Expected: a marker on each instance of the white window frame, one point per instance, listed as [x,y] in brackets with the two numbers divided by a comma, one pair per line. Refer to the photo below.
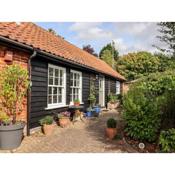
[118,86]
[63,103]
[80,86]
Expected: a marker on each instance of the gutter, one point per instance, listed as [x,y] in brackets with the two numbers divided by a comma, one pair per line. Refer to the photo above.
[29,91]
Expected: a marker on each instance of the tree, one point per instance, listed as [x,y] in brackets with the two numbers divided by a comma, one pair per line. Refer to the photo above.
[167,30]
[88,48]
[136,65]
[109,54]
[52,31]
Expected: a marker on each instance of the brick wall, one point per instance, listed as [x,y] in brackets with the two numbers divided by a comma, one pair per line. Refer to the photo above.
[10,56]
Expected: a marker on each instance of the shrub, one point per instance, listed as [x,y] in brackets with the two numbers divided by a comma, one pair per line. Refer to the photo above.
[13,87]
[167,140]
[111,123]
[4,118]
[142,115]
[48,120]
[112,98]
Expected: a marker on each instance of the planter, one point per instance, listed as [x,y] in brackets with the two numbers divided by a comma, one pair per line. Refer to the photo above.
[113,105]
[89,114]
[47,129]
[111,132]
[97,109]
[64,122]
[11,136]
[76,103]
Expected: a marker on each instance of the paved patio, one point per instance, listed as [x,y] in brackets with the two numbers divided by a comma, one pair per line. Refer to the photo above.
[87,137]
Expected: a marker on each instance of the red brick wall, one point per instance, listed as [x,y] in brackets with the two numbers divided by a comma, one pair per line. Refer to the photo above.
[18,57]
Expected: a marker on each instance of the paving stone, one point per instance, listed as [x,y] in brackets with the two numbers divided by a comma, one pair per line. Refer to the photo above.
[81,137]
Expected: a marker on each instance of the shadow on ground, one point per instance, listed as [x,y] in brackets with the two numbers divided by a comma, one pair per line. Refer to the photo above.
[96,128]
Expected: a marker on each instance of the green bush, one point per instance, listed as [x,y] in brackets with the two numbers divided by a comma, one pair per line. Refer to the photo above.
[167,140]
[48,120]
[13,89]
[142,115]
[111,123]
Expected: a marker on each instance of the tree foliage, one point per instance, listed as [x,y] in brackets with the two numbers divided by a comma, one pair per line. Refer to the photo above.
[136,65]
[167,30]
[108,53]
[52,31]
[88,48]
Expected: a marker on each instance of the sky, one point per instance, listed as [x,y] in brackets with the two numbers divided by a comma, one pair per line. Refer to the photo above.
[127,36]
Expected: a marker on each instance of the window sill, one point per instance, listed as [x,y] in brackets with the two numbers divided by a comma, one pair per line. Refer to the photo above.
[55,107]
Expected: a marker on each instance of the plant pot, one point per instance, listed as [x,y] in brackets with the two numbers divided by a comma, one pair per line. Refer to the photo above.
[76,103]
[64,122]
[111,132]
[47,129]
[11,136]
[112,106]
[97,109]
[88,114]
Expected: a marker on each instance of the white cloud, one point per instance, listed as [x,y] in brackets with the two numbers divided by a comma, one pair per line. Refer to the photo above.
[128,36]
[90,31]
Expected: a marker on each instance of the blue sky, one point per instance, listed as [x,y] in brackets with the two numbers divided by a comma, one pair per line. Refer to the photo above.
[128,36]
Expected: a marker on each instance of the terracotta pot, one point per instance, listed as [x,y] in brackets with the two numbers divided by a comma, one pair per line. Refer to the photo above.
[48,129]
[64,121]
[111,105]
[111,132]
[76,103]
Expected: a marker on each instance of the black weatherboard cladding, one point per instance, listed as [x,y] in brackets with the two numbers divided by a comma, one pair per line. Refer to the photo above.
[39,76]
[39,89]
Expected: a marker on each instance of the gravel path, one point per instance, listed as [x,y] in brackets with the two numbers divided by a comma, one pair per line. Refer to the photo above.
[87,137]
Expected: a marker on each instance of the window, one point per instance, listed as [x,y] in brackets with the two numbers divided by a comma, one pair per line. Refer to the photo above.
[75,85]
[56,86]
[117,87]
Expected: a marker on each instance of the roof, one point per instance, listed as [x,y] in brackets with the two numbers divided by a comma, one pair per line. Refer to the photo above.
[32,35]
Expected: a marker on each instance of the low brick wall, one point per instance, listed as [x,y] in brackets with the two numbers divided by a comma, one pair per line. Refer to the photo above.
[10,56]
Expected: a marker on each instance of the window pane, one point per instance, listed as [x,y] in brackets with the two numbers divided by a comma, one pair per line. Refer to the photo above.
[75,83]
[56,81]
[56,73]
[59,90]
[50,71]
[50,80]
[71,82]
[55,91]
[55,99]
[61,73]
[61,81]
[50,99]
[50,90]
[59,98]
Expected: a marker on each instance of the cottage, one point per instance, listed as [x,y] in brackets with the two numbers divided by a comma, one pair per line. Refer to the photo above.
[59,71]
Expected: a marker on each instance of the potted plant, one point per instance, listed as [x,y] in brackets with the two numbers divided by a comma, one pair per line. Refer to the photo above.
[113,101]
[13,89]
[111,129]
[64,119]
[76,102]
[47,125]
[89,112]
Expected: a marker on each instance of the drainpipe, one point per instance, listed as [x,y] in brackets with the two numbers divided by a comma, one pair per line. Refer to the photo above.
[29,92]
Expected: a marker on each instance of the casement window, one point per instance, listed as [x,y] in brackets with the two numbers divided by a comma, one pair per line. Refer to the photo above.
[56,86]
[117,87]
[75,85]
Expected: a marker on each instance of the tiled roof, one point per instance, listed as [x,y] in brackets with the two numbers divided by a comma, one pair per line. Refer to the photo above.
[39,38]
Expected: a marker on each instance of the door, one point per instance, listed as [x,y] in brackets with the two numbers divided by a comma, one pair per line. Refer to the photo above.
[102,91]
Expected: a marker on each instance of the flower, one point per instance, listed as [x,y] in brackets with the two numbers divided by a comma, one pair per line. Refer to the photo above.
[65,114]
